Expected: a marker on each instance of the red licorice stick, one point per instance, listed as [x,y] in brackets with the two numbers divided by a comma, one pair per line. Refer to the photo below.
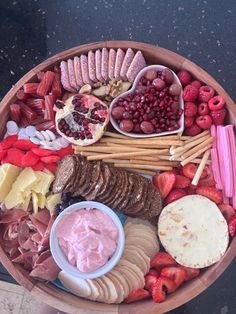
[21,95]
[46,83]
[30,88]
[15,112]
[49,103]
[46,125]
[27,112]
[56,86]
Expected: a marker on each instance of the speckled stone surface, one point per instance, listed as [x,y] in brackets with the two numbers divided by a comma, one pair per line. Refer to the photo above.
[203,31]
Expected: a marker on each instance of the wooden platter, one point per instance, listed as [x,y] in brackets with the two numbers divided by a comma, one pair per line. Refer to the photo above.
[68,302]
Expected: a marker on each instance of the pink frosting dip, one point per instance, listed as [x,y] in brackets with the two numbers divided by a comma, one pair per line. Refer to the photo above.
[88,237]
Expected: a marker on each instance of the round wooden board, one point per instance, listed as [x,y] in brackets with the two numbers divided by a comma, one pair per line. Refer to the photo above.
[67,302]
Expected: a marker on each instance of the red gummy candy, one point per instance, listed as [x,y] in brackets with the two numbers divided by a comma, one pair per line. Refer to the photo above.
[42,152]
[50,159]
[8,142]
[25,144]
[51,167]
[66,151]
[29,159]
[39,166]
[15,156]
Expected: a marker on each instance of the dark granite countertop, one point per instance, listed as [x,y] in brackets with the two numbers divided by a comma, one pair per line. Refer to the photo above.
[203,31]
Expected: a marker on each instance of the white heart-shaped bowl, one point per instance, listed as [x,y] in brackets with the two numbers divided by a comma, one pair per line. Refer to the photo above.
[138,77]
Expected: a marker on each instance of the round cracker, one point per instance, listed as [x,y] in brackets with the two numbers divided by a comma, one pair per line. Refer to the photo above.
[145,257]
[134,257]
[122,281]
[193,231]
[95,289]
[132,280]
[139,229]
[135,269]
[104,288]
[76,285]
[113,295]
[144,234]
[119,288]
[138,221]
[143,244]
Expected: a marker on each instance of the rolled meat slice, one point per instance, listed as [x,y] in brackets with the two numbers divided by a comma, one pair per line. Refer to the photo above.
[126,63]
[84,69]
[78,71]
[111,64]
[71,74]
[138,63]
[91,66]
[98,65]
[118,63]
[105,57]
[65,77]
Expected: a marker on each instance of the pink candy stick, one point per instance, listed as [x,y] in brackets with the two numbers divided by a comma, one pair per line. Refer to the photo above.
[213,133]
[225,198]
[232,143]
[216,169]
[220,155]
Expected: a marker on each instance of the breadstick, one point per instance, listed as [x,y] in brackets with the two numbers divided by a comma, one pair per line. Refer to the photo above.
[197,148]
[143,171]
[193,138]
[146,158]
[201,167]
[156,142]
[198,153]
[189,145]
[138,166]
[195,161]
[115,135]
[108,149]
[88,153]
[117,161]
[157,163]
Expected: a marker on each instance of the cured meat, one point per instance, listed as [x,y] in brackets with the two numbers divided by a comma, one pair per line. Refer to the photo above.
[91,66]
[46,270]
[12,216]
[126,63]
[111,64]
[78,71]
[137,64]
[43,216]
[118,63]
[65,77]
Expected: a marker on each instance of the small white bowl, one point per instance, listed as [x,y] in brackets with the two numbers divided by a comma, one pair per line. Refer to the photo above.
[138,77]
[60,257]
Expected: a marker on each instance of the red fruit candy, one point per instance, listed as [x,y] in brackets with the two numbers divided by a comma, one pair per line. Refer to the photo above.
[181,182]
[29,159]
[211,193]
[193,130]
[216,103]
[232,226]
[190,109]
[177,274]
[51,167]
[218,117]
[150,280]
[25,144]
[2,154]
[46,83]
[227,211]
[137,295]
[65,151]
[190,169]
[15,156]
[190,93]
[8,142]
[162,259]
[165,182]
[42,152]
[39,166]
[204,122]
[159,289]
[188,121]
[196,83]
[184,77]
[190,272]
[15,112]
[203,109]
[205,93]
[50,159]
[174,195]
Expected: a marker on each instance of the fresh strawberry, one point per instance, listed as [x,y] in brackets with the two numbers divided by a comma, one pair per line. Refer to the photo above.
[211,193]
[66,151]
[153,272]
[139,294]
[39,166]
[232,226]
[162,259]
[165,182]
[191,189]
[15,112]
[56,86]
[159,289]
[205,93]
[181,182]
[174,195]
[46,83]
[30,88]
[184,77]
[190,109]
[190,272]
[190,93]
[203,109]
[21,95]
[227,211]
[8,142]
[177,274]
[150,280]
[42,152]
[190,169]
[51,167]
[15,156]
[24,144]
[208,181]
[29,159]
[218,117]
[216,103]
[3,154]
[192,130]
[188,121]
[49,103]
[50,159]
[204,122]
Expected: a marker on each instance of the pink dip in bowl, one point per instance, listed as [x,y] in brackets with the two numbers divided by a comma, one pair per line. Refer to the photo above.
[88,237]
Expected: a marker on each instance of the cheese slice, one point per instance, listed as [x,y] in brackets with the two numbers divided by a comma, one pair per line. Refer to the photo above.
[193,231]
[42,185]
[52,201]
[35,202]
[25,180]
[25,205]
[14,198]
[8,175]
[41,200]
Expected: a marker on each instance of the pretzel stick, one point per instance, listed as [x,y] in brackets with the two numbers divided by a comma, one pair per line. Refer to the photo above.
[146,158]
[193,138]
[138,166]
[88,153]
[157,163]
[142,142]
[108,149]
[115,135]
[189,145]
[201,167]
[117,161]
[195,161]
[197,148]
[195,155]
[143,171]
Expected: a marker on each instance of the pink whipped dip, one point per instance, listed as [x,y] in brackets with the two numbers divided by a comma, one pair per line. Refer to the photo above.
[88,237]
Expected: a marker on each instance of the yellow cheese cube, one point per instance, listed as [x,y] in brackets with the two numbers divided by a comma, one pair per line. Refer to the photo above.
[25,205]
[41,200]
[35,202]
[52,201]
[8,175]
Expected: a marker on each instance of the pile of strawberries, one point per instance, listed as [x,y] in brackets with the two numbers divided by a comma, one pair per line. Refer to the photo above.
[202,107]
[35,101]
[24,153]
[164,277]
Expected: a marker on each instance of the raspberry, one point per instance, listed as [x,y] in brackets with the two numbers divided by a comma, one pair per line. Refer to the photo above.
[203,109]
[190,109]
[196,83]
[192,130]
[218,116]
[188,121]
[206,93]
[204,122]
[190,93]
[184,77]
[216,103]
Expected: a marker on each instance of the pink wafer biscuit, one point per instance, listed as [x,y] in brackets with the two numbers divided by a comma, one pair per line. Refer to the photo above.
[91,66]
[84,69]
[105,59]
[129,56]
[213,133]
[118,63]
[232,142]
[65,77]
[111,64]
[98,65]
[71,73]
[216,169]
[78,72]
[136,66]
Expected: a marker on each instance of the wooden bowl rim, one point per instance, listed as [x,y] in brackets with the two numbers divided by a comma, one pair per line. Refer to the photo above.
[73,304]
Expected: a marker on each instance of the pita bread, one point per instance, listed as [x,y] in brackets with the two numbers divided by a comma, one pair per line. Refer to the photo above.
[193,231]
[77,286]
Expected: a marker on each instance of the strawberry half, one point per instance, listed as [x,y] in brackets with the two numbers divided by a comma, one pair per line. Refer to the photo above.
[137,295]
[165,182]
[153,272]
[232,226]
[181,182]
[211,193]
[161,288]
[162,259]
[175,194]
[190,272]
[190,169]
[177,274]
[150,280]
[227,211]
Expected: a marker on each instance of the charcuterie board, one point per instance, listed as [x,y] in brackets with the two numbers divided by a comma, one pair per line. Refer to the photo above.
[51,293]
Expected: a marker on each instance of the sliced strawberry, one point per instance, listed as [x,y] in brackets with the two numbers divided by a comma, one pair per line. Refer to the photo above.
[46,83]
[175,195]
[211,193]
[39,166]
[3,154]
[50,159]
[8,142]
[190,272]
[150,280]
[165,182]
[232,226]
[42,152]
[181,182]
[227,211]
[66,151]
[15,156]
[51,167]
[191,189]
[139,294]
[15,112]
[162,259]
[208,181]
[29,159]
[159,289]
[30,88]
[153,272]
[24,144]
[190,169]
[177,274]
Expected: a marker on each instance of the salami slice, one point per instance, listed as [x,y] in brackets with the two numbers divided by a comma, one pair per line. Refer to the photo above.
[78,72]
[98,65]
[111,64]
[118,63]
[91,66]
[105,57]
[71,73]
[138,63]
[65,77]
[84,69]
[126,63]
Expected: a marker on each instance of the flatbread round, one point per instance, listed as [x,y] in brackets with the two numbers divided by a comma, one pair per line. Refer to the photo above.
[76,285]
[193,231]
